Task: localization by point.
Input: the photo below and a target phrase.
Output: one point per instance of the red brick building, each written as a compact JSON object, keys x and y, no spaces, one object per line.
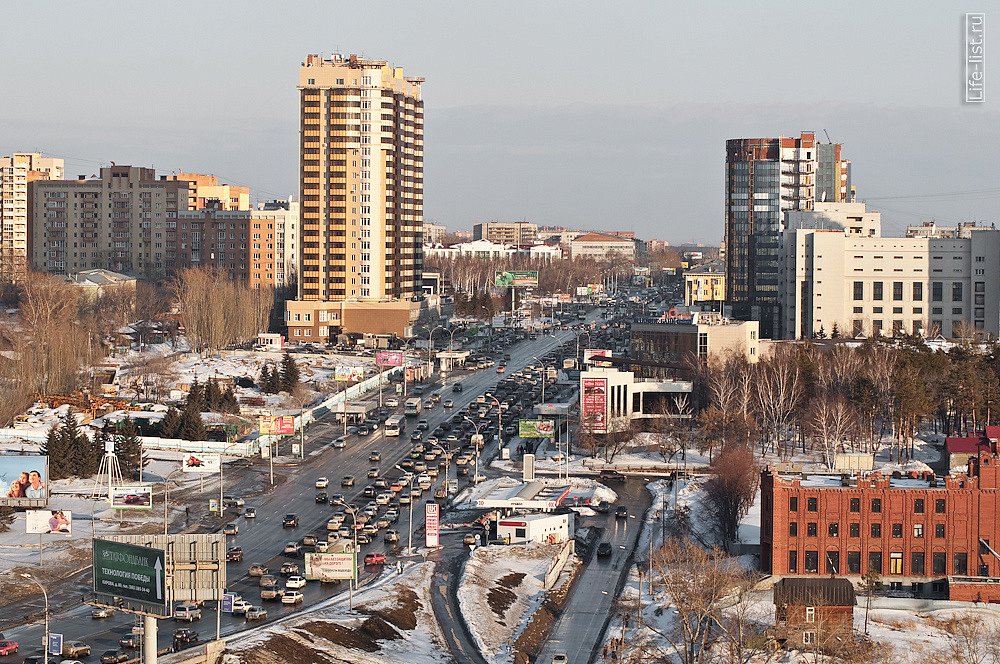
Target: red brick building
{"x":925,"y":534}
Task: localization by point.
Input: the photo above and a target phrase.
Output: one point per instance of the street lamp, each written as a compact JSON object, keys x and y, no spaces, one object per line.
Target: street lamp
{"x":353,"y":511}
{"x":589,"y":341}
{"x":430,"y":347}
{"x":447,"y":461}
{"x":166,"y":495}
{"x":544,"y":375}
{"x":45,"y":641}
{"x":499,"y":426}
{"x":409,"y":536}
{"x":222,"y":460}
{"x":475,"y":479}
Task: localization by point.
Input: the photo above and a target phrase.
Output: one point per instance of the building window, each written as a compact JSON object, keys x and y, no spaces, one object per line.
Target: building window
{"x":833,"y":529}
{"x":961,"y":564}
{"x":811,"y":529}
{"x":812,"y":504}
{"x":897,"y":530}
{"x":876,"y":530}
{"x":793,"y":529}
{"x":877,"y":505}
{"x":793,"y":561}
{"x":937,"y":291}
{"x":980,"y":286}
{"x":812,"y":561}
{"x":854,"y":562}
{"x":917,"y":562}
{"x":855,"y":505}
{"x":793,"y":504}
{"x":939,"y":505}
{"x":808,"y":638}
{"x":918,"y":506}
{"x":833,"y":562}
{"x":877,"y":290}
{"x":918,"y":292}
{"x":810,"y":614}
{"x":956,"y":291}
{"x":859,"y":290}
{"x":939,"y":530}
{"x":896,"y":562}
{"x":875,"y":561}
{"x":854,"y":530}
{"x":897,"y":291}
{"x":939,"y":563}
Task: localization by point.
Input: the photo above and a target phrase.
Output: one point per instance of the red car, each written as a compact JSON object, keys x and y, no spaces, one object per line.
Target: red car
{"x":8,"y":647}
{"x":374,"y":559}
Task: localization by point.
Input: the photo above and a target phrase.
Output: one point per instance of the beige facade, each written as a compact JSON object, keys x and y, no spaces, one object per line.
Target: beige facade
{"x":705,"y":284}
{"x":16,"y":172}
{"x":361,"y":177}
{"x":519,"y":233}
{"x":703,"y":336}
{"x":434,"y":233}
{"x":602,"y":247}
{"x":852,"y":218}
{"x":206,"y":192}
{"x":283,"y":215}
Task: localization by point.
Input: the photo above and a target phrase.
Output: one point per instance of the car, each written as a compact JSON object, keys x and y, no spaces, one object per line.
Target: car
{"x":268,"y":581}
{"x":375,"y":456}
{"x":114,"y":656}
{"x":406,"y":463}
{"x":392,"y":402}
{"x":271,"y":594}
{"x":241,"y":606}
{"x":288,"y":569}
{"x":322,"y":482}
{"x":404,"y":498}
{"x":602,"y":507}
{"x":232,"y":501}
{"x":560,"y":658}
{"x":621,"y":512}
{"x":185,"y":636}
{"x":310,"y":539}
{"x":292,"y":597}
{"x":429,"y":405}
{"x":391,"y":536}
{"x":292,"y":549}
{"x":334,"y":523}
{"x":416,"y":436}
{"x":347,"y":480}
{"x":235,"y":554}
{"x":370,"y":529}
{"x":364,"y":539}
{"x":384,"y":498}
{"x":469,"y":538}
{"x":612,"y":476}
{"x":373,"y":472}
{"x":457,"y":387}
{"x":257,"y":569}
{"x":604,"y":549}
{"x":290,"y":521}
{"x":256,"y":613}
{"x":295,"y":582}
{"x":448,"y":403}
{"x":381,"y":483}
{"x":501,"y":369}
{"x":322,"y":546}
{"x":102,"y":612}
{"x":322,"y":498}
{"x":8,"y":647}
{"x":250,"y":513}
{"x":187,"y":612}
{"x":374,"y":559}
{"x":230,"y":529}
{"x":340,"y":443}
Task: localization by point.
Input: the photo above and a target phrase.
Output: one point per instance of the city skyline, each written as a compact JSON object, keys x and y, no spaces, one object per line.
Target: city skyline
{"x":658,"y":110}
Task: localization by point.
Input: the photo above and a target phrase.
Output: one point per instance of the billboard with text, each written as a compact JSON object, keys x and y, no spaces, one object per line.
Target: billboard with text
{"x":330,"y":566}
{"x":503,"y":278}
{"x":195,"y":462}
{"x":432,"y":524}
{"x":283,"y":425}
{"x":132,"y":497}
{"x":23,"y":480}
{"x":594,"y":404}
{"x":389,"y":358}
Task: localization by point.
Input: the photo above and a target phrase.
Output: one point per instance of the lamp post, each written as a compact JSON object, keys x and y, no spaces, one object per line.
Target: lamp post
{"x":409,"y":535}
{"x":499,"y":427}
{"x":578,"y":345}
{"x":447,"y":464}
{"x":222,"y":462}
{"x":430,"y":347}
{"x":475,"y":479}
{"x":45,"y":640}
{"x":544,"y":375}
{"x":353,"y":511}
{"x":166,"y":495}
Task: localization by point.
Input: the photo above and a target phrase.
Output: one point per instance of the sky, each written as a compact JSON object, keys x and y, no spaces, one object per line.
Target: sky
{"x":604,"y":115}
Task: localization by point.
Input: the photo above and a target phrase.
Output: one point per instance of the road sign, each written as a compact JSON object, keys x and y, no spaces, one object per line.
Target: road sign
{"x":227,"y":602}
{"x":129,"y":571}
{"x":55,"y":644}
{"x":213,"y":504}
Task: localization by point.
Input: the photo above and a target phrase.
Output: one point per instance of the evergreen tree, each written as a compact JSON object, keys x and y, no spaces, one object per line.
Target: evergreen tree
{"x":60,"y":462}
{"x":192,"y":428}
{"x":131,"y":456}
{"x":228,"y":402}
{"x":265,"y":378}
{"x":289,"y":374}
{"x":835,"y":331}
{"x":213,"y":396}
{"x":170,"y":425}
{"x":6,"y":518}
{"x":196,"y":395}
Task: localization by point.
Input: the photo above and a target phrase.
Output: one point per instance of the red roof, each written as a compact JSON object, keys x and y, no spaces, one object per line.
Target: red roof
{"x":964,"y":444}
{"x":993,"y":432}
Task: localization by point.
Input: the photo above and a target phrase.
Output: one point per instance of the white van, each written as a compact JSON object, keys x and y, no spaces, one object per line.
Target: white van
{"x":187,"y":612}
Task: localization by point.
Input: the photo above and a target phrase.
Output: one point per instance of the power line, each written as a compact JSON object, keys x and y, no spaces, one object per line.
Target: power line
{"x":950,"y":194}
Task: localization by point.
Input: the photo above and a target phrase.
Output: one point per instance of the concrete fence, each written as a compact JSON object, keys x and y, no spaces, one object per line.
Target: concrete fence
{"x":558,"y":563}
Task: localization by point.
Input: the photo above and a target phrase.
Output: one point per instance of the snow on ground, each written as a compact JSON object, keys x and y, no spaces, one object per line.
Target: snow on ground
{"x":583,"y":491}
{"x":392,"y":623}
{"x":500,"y":589}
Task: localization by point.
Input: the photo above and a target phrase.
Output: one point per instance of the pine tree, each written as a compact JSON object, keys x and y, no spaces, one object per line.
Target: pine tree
{"x":228,"y":403}
{"x":265,"y":378}
{"x":78,"y":448}
{"x":196,"y":395}
{"x":131,"y":455}
{"x":213,"y":396}
{"x":192,"y":428}
{"x":170,"y":425}
{"x":835,"y":331}
{"x":289,"y":373}
{"x":60,"y":463}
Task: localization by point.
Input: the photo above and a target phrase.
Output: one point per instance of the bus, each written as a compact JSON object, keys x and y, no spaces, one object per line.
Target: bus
{"x":412,"y":406}
{"x":394,"y":426}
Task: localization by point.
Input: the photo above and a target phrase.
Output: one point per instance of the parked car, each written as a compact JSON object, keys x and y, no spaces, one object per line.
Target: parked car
{"x":114,"y":657}
{"x":9,"y":647}
{"x":257,"y":569}
{"x":230,"y":529}
{"x":256,"y":613}
{"x":290,"y":521}
{"x":292,"y":597}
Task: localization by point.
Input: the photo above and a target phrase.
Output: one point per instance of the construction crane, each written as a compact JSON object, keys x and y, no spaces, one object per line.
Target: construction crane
{"x":828,"y":139}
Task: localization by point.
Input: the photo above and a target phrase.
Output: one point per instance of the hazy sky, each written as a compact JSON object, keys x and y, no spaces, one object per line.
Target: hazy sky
{"x":593,"y":114}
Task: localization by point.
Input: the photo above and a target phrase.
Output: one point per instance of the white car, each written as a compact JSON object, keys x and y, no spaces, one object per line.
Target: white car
{"x":295,"y":582}
{"x":322,"y":482}
{"x":392,"y":402}
{"x":322,"y":546}
{"x":240,"y":606}
{"x":340,"y":443}
{"x":384,"y":498}
{"x":292,"y":598}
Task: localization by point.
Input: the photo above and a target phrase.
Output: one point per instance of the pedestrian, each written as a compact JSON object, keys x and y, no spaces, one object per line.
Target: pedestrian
{"x":187,"y":515}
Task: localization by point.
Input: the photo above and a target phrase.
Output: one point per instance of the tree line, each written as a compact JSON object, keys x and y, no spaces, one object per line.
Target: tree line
{"x":74,"y":453}
{"x":218,"y":311}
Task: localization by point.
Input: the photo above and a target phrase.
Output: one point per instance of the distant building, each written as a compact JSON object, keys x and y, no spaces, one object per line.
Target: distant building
{"x":833,"y":175}
{"x":699,"y":335}
{"x":602,"y":247}
{"x":206,"y":192}
{"x":536,"y":528}
{"x":930,"y":229}
{"x":220,"y":239}
{"x":705,"y":284}
{"x":656,"y":245}
{"x":434,"y":233}
{"x":610,"y":399}
{"x":96,"y":283}
{"x":283,"y":216}
{"x":506,"y":232}
{"x":491,"y":250}
{"x":16,"y":172}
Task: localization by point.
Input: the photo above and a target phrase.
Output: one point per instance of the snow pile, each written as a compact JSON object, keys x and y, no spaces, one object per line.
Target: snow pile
{"x":500,"y":589}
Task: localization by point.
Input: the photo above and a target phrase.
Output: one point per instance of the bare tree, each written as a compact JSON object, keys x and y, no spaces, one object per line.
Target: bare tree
{"x":830,"y":420}
{"x":731,"y":491}
{"x":779,"y":387}
{"x":973,"y":641}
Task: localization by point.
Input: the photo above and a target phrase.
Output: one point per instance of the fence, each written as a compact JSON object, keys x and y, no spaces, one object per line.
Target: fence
{"x":557,"y":564}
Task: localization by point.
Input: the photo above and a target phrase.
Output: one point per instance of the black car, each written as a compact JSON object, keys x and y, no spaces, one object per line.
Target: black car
{"x":457,"y":387}
{"x":290,"y":521}
{"x":612,"y":476}
{"x":114,"y":657}
{"x":131,"y":641}
{"x":235,"y":554}
{"x":621,"y":512}
{"x":183,"y":637}
{"x":322,"y":497}
{"x":604,"y":549}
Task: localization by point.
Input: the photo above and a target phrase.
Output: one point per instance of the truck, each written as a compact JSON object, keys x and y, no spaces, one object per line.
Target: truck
{"x":412,"y":407}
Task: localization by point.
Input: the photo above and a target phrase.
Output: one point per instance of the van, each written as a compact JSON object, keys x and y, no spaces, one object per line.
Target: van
{"x":187,"y":612}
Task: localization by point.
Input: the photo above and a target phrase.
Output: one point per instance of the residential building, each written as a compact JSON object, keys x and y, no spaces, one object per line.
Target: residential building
{"x":602,"y":247}
{"x":814,"y":614}
{"x":930,"y":229}
{"x":283,"y":216}
{"x":434,"y":233}
{"x":506,"y":232}
{"x":117,"y":222}
{"x":95,"y":283}
{"x":932,"y":536}
{"x":765,"y":178}
{"x":705,"y":284}
{"x":656,"y":245}
{"x":218,"y":238}
{"x":16,"y":172}
{"x":833,"y":175}
{"x":850,"y":282}
{"x":491,"y":250}
{"x":961,"y":448}
{"x":361,"y":180}
{"x":671,"y":342}
{"x":206,"y":192}
{"x":559,"y":234}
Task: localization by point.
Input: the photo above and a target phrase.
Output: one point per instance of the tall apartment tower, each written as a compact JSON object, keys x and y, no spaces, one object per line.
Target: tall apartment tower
{"x":16,"y":171}
{"x":361,"y":164}
{"x":765,"y":178}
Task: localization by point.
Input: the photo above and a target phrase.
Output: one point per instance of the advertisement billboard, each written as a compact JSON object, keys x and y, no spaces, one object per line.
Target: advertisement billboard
{"x":582,"y":291}
{"x":594,"y":404}
{"x":194,"y":566}
{"x":48,"y":522}
{"x":281,"y":425}
{"x":330,"y":566}
{"x":515,"y":279}
{"x":389,"y":358}
{"x":23,"y":480}
{"x":536,"y":428}
{"x":133,"y":497}
{"x":349,"y":374}
{"x":195,"y":462}
{"x":565,"y":297}
{"x":590,"y":353}
{"x":129,"y":571}
{"x":432,"y":525}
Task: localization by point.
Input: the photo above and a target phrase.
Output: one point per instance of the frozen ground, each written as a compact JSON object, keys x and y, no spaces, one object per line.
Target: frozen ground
{"x":500,"y":590}
{"x":584,"y":491}
{"x":392,"y":623}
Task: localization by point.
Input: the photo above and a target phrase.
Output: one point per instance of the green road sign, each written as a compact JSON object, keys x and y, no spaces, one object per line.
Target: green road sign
{"x":129,"y":571}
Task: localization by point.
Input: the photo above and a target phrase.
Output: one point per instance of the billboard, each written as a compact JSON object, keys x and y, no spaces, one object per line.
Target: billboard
{"x":389,"y":358}
{"x":132,"y":497}
{"x":331,"y":566}
{"x":432,"y":524}
{"x":590,"y":353}
{"x":48,"y":522}
{"x":195,"y":462}
{"x":194,"y":566}
{"x":515,"y":279}
{"x":594,"y":404}
{"x":283,"y":425}
{"x":23,"y":480}
{"x":129,"y":571}
{"x":536,"y":428}
{"x":349,"y":374}
{"x":582,"y":291}
{"x":565,"y":297}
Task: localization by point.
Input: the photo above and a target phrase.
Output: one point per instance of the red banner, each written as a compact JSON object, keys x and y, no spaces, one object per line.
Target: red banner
{"x":432,"y":525}
{"x":595,"y":404}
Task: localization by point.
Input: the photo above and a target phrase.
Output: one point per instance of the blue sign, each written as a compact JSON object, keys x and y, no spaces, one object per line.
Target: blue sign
{"x":227,"y":602}
{"x":55,"y":644}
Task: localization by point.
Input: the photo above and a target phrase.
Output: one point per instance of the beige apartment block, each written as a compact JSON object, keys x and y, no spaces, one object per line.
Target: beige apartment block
{"x":17,"y":171}
{"x":283,"y":216}
{"x":206,"y":192}
{"x":518,"y":233}
{"x":361,"y":176}
{"x":705,"y":283}
{"x":602,"y":247}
